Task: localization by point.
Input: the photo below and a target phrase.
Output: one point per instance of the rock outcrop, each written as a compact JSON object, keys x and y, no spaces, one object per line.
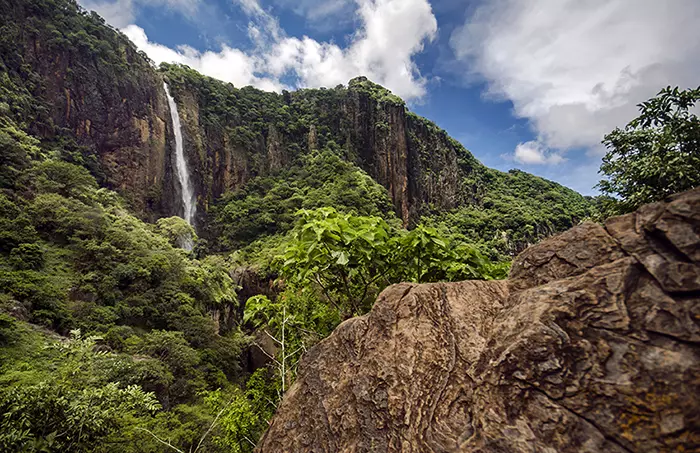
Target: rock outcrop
{"x":416,"y":162}
{"x":84,"y":90}
{"x":590,"y":346}
{"x":92,"y":93}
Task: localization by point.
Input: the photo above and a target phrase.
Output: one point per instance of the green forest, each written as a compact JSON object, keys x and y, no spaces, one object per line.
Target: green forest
{"x":115,"y":339}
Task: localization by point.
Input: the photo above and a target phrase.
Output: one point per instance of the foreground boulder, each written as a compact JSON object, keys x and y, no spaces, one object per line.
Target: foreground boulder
{"x":590,"y":346}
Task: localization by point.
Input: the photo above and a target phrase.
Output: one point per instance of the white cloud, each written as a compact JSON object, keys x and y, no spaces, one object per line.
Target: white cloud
{"x":382,"y":49}
{"x":320,"y":10}
{"x":229,"y":65}
{"x":263,"y":28}
{"x":535,"y":153}
{"x":118,"y":13}
{"x":576,"y":69}
{"x":391,"y":33}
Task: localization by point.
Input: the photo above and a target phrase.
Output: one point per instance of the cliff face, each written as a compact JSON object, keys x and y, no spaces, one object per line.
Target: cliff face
{"x":590,"y":346}
{"x":231,"y":138}
{"x":126,"y":125}
{"x":85,"y":91}
{"x":418,"y":164}
{"x":377,"y":134}
{"x":95,"y":93}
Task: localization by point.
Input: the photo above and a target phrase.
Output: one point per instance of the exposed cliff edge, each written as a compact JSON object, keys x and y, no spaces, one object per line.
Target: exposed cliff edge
{"x":237,"y":137}
{"x":591,"y":345}
{"x":234,"y":135}
{"x":84,"y":89}
{"x":88,"y":96}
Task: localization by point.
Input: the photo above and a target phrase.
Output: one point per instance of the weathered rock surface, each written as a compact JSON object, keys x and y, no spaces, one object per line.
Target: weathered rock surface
{"x":418,"y":165}
{"x":590,"y":346}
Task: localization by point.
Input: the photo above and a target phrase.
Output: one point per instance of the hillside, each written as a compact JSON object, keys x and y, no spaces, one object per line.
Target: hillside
{"x":591,"y":345}
{"x":115,"y":334}
{"x":83,"y":88}
{"x":245,"y":144}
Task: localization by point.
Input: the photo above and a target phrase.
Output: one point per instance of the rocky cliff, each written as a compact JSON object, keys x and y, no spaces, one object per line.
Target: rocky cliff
{"x":234,"y":135}
{"x":90,"y":97}
{"x":88,"y":89}
{"x":590,"y":346}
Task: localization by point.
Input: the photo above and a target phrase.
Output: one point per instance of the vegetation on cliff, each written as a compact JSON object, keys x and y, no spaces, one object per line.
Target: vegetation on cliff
{"x":114,"y":339}
{"x":267,"y":205}
{"x":309,"y":149}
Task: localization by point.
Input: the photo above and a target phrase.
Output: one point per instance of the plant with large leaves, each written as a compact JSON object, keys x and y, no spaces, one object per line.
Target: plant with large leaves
{"x":346,"y":256}
{"x":351,"y":258}
{"x":656,"y":155}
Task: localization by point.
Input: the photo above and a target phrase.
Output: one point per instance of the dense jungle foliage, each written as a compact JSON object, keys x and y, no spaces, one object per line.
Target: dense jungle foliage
{"x":112,"y":338}
{"x":656,"y":155}
{"x":135,"y":315}
{"x":502,"y":213}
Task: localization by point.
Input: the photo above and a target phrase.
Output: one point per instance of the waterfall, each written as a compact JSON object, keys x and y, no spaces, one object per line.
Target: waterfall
{"x":186,"y":189}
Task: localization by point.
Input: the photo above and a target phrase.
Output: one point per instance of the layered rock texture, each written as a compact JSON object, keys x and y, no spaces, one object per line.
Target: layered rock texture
{"x":82,"y":87}
{"x":85,"y":92}
{"x":234,"y":135}
{"x":590,"y":346}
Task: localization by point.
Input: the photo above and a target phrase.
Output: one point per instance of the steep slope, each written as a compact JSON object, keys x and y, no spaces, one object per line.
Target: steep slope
{"x":592,"y":345}
{"x":235,"y":135}
{"x":85,"y":91}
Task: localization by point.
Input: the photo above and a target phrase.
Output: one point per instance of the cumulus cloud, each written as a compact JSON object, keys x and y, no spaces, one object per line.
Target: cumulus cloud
{"x":576,"y":69}
{"x":263,"y":28}
{"x":534,"y":153}
{"x":229,"y":64}
{"x":382,"y":49}
{"x":390,"y":34}
{"x":323,"y":13}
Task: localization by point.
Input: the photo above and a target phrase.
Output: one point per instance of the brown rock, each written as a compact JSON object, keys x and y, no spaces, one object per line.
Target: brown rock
{"x":570,"y":253}
{"x":591,"y":346}
{"x":665,"y":239}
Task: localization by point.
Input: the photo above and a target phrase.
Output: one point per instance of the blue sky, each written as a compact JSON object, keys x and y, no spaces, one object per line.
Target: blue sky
{"x":522,"y":84}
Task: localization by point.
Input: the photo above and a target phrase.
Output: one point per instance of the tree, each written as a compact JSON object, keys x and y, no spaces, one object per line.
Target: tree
{"x":294,"y":324}
{"x":72,"y":408}
{"x":656,"y":155}
{"x":177,"y":230}
{"x":351,"y":258}
{"x":423,"y":255}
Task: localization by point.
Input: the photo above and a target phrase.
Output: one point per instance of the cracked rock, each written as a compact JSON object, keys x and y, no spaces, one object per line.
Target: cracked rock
{"x":590,"y":346}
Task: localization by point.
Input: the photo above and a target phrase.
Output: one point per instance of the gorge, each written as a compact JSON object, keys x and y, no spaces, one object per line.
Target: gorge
{"x":189,"y":265}
{"x":106,"y":100}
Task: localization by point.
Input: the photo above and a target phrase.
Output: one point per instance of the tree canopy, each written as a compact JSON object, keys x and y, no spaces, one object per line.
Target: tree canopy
{"x":657,"y":154}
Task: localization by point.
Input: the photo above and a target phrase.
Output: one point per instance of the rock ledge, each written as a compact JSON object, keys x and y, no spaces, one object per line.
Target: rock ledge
{"x":590,"y":346}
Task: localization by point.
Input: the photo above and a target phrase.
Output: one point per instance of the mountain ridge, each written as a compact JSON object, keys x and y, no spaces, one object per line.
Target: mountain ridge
{"x":309,"y":204}
{"x":101,"y":95}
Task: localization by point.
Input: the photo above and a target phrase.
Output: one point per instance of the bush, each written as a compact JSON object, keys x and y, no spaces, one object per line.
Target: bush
{"x":8,"y":329}
{"x":70,"y":408}
{"x":27,"y":257}
{"x":15,"y":226}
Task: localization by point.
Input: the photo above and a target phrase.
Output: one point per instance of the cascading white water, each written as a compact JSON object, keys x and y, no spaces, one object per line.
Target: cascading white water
{"x":183,"y":175}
